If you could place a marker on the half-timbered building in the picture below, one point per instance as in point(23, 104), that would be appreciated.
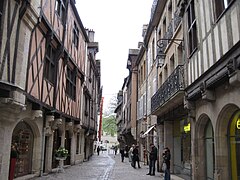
point(212, 38)
point(47, 64)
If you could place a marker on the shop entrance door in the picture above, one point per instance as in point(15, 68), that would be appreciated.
point(22, 138)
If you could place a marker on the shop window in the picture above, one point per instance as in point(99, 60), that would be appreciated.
point(209, 151)
point(71, 83)
point(234, 140)
point(49, 66)
point(75, 35)
point(220, 6)
point(185, 142)
point(192, 28)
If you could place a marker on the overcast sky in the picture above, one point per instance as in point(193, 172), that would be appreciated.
point(118, 28)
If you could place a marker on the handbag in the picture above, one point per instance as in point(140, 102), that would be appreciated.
point(164, 166)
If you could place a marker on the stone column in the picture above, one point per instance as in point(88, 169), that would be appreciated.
point(5, 144)
point(48, 155)
point(161, 143)
point(168, 138)
point(194, 170)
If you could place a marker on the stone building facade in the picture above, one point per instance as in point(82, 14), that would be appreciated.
point(188, 71)
point(212, 32)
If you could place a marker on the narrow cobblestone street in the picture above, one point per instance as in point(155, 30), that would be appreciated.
point(104, 167)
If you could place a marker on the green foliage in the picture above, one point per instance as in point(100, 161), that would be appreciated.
point(61, 152)
point(109, 125)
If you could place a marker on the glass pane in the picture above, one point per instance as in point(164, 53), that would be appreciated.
point(234, 133)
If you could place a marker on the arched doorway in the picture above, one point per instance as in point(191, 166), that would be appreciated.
point(22, 138)
point(234, 143)
point(209, 148)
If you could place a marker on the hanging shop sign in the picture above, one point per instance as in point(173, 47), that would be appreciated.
point(238, 123)
point(187, 128)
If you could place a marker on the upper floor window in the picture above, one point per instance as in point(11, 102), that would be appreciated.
point(49, 66)
point(71, 83)
point(60, 8)
point(1, 12)
point(153, 50)
point(75, 35)
point(192, 28)
point(220, 6)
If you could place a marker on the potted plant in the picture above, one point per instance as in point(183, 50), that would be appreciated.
point(61, 153)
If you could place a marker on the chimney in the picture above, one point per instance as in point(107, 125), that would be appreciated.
point(91, 35)
point(140, 44)
point(144, 30)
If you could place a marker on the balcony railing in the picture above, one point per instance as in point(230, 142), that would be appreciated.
point(173, 84)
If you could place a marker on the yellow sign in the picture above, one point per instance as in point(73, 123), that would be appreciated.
point(238, 123)
point(188, 128)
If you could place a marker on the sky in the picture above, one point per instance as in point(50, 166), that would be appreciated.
point(118, 28)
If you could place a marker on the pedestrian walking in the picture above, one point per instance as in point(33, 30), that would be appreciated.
point(122, 152)
point(135, 157)
point(98, 150)
point(130, 153)
point(166, 160)
point(115, 150)
point(152, 159)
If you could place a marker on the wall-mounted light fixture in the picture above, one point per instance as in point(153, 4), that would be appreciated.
point(162, 44)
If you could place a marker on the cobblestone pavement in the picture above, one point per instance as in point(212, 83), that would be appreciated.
point(104, 167)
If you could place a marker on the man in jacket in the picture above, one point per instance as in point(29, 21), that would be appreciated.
point(152, 159)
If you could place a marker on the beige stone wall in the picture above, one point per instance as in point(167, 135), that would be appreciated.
point(219, 112)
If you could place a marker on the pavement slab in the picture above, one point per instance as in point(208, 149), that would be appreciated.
point(104, 167)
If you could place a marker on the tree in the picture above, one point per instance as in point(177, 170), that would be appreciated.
point(109, 125)
point(111, 106)
point(109, 118)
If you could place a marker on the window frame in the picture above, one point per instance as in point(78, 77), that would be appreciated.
point(71, 83)
point(60, 8)
point(220, 7)
point(192, 28)
point(75, 35)
point(49, 64)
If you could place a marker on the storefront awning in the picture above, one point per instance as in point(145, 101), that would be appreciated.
point(149, 129)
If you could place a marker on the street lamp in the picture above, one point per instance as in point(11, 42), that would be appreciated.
point(162, 44)
point(160, 54)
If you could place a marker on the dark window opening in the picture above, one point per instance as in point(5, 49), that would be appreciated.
point(71, 83)
point(60, 8)
point(75, 35)
point(1, 13)
point(220, 6)
point(192, 28)
point(49, 66)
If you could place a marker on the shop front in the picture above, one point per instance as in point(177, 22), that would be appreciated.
point(22, 139)
point(234, 145)
point(182, 147)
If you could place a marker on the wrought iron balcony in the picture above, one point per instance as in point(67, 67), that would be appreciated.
point(173, 84)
